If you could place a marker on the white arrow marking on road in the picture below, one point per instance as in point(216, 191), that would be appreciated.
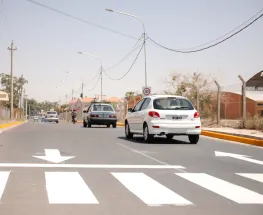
point(238, 156)
point(53, 155)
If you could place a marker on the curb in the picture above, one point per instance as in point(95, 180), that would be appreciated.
point(224, 136)
point(11, 125)
point(235, 138)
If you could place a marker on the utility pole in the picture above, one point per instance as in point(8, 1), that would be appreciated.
point(101, 83)
point(12, 49)
point(21, 101)
point(24, 98)
point(82, 96)
point(26, 105)
point(66, 108)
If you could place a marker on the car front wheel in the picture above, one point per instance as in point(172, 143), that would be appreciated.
point(128, 134)
point(84, 124)
point(193, 139)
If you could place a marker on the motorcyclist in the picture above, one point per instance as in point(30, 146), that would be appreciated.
point(74, 114)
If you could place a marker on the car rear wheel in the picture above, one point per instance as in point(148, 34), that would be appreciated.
point(89, 124)
point(148, 138)
point(169, 136)
point(114, 125)
point(108, 126)
point(193, 139)
point(128, 134)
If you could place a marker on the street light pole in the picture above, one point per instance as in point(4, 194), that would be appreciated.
point(144, 37)
point(101, 69)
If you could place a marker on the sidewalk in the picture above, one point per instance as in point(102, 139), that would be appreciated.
point(246, 136)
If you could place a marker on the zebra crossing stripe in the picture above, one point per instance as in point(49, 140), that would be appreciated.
point(4, 175)
point(254, 176)
point(68, 188)
point(228, 190)
point(148, 190)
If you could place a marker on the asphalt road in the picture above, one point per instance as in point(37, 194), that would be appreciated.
point(105, 174)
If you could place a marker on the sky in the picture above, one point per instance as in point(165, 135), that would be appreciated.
point(47, 44)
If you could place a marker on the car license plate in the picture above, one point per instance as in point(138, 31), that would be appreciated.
point(177, 117)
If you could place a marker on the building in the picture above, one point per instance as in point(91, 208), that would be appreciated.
point(231, 102)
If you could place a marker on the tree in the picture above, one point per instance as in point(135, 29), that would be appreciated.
point(196, 87)
point(18, 84)
point(129, 95)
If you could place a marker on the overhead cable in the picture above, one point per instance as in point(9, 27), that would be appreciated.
point(135, 47)
point(95, 84)
point(80, 19)
point(215, 44)
point(233, 30)
point(117, 79)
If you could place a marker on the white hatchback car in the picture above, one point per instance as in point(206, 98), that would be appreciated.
point(163, 115)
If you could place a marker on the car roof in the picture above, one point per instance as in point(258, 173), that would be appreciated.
point(98, 103)
point(164, 96)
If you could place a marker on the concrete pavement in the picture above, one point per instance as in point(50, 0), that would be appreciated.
point(103, 173)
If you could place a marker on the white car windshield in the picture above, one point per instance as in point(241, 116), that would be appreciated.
point(172, 103)
point(102, 108)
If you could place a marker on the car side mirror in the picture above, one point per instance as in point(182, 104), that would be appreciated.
point(130, 110)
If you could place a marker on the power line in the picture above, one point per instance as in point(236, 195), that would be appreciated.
point(95, 84)
point(135, 47)
point(117, 79)
point(198, 50)
point(93, 78)
point(225, 33)
point(80, 19)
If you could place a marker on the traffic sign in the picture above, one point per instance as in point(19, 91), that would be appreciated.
point(146, 91)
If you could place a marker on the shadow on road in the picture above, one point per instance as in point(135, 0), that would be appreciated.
point(157, 140)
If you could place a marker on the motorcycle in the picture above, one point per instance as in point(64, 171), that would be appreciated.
point(74, 120)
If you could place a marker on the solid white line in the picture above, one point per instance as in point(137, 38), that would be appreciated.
point(148, 190)
point(254, 176)
point(89, 166)
point(4, 175)
point(152, 158)
point(68, 188)
point(228, 190)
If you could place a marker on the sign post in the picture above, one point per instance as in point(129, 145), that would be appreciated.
point(146, 91)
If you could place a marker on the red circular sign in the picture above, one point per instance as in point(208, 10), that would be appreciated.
point(146, 91)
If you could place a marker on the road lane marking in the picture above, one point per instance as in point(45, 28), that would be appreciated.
point(90, 166)
point(150, 191)
point(53, 155)
point(238, 156)
point(254, 176)
point(145, 155)
point(4, 175)
point(68, 188)
point(228, 190)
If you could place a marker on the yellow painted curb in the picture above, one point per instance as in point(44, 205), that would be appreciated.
point(234, 138)
point(7, 125)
